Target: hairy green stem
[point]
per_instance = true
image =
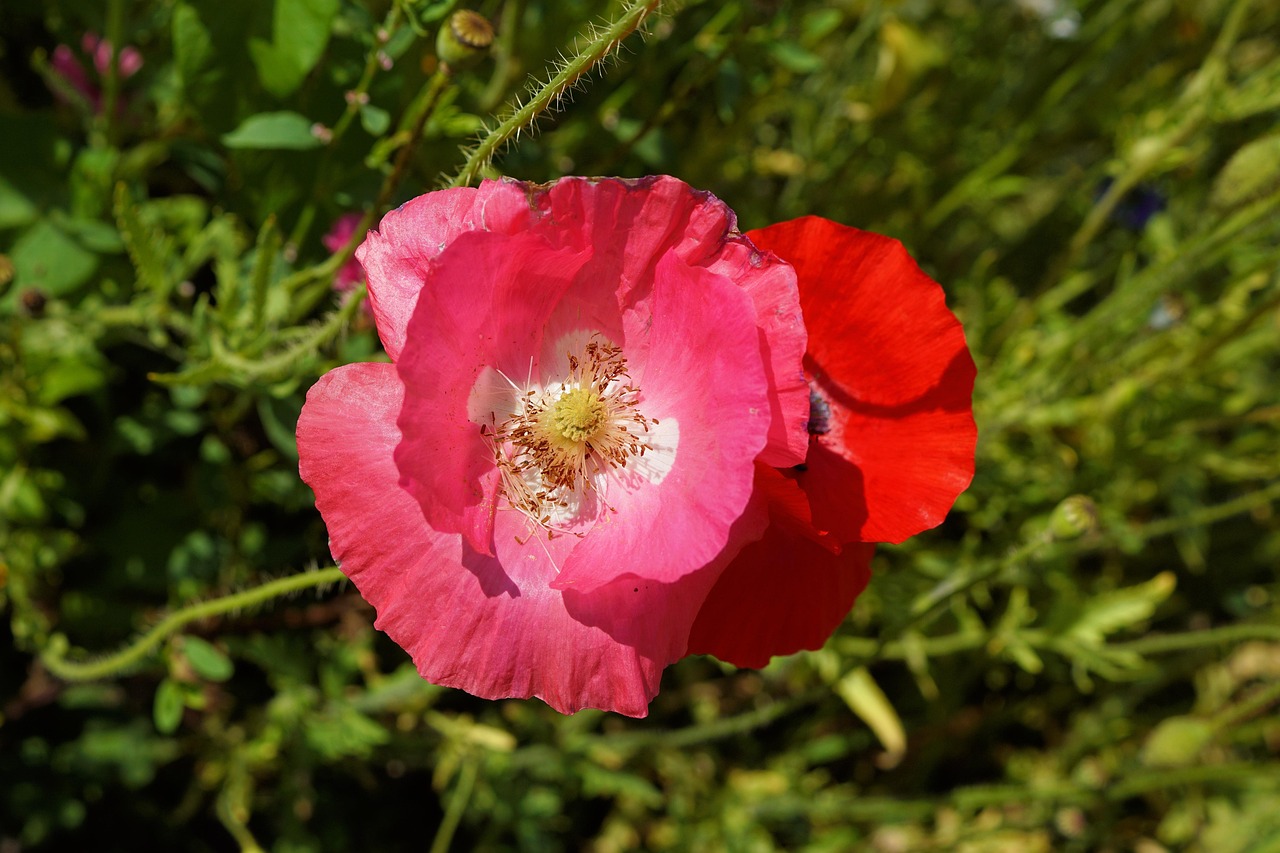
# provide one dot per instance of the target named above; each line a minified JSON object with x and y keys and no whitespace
{"x":601,"y":43}
{"x":55,"y":657}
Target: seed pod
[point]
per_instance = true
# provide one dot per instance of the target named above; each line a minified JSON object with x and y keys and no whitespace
{"x":464,"y":40}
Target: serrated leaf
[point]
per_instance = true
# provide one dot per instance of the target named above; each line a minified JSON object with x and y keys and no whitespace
{"x":340,"y":730}
{"x":148,"y":248}
{"x":264,"y":265}
{"x":279,"y":130}
{"x":206,"y":659}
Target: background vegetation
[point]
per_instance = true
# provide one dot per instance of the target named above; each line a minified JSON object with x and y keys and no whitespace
{"x":1085,"y":656}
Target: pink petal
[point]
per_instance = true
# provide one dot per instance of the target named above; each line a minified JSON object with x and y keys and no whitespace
{"x":467,"y":621}
{"x":631,"y":223}
{"x":771,"y":284}
{"x":890,"y":359}
{"x":130,"y":62}
{"x":396,"y":256}
{"x":489,"y":299}
{"x":704,"y":374}
{"x":66,"y":66}
{"x":342,"y":230}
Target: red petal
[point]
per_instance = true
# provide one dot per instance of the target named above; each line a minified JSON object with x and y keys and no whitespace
{"x":891,"y":360}
{"x":782,"y":594}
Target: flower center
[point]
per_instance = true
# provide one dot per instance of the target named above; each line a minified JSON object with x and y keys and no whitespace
{"x":579,"y":414}
{"x":556,"y":448}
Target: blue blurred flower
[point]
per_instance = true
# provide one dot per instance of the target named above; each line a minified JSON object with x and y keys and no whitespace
{"x":1138,"y":205}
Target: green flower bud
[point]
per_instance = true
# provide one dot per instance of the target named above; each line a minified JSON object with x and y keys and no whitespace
{"x":464,"y":40}
{"x":1075,"y":516}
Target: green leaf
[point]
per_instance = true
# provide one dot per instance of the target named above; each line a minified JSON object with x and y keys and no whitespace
{"x":15,"y":208}
{"x":94,"y":235}
{"x":280,"y":130}
{"x":1177,"y":742}
{"x":300,"y":33}
{"x":1250,"y":174}
{"x":206,"y":660}
{"x":192,"y":44}
{"x":605,"y":783}
{"x":168,"y":706}
{"x":865,"y":699}
{"x":32,"y":170}
{"x":264,"y":266}
{"x":794,"y":58}
{"x":375,"y":120}
{"x":340,"y":730}
{"x":279,"y":421}
{"x":1122,"y":608}
{"x":45,"y":257}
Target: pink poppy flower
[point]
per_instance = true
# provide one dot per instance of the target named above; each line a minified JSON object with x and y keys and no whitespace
{"x":99,"y":50}
{"x":540,"y":491}
{"x":892,"y":440}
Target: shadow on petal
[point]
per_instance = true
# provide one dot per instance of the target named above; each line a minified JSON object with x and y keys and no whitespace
{"x":494,"y":580}
{"x":952,"y":392}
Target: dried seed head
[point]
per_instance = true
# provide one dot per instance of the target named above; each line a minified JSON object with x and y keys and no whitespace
{"x":464,"y":40}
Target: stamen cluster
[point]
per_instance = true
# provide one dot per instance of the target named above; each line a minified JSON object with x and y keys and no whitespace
{"x":563,"y":436}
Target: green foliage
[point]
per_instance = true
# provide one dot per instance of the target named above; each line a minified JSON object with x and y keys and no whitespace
{"x":1083,"y":657}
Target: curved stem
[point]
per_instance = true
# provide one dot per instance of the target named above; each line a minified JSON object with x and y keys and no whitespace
{"x":55,"y":659}
{"x":601,"y":43}
{"x":457,"y":805}
{"x":1160,"y":644}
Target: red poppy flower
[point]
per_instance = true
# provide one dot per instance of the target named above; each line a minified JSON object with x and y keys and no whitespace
{"x":892,"y":441}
